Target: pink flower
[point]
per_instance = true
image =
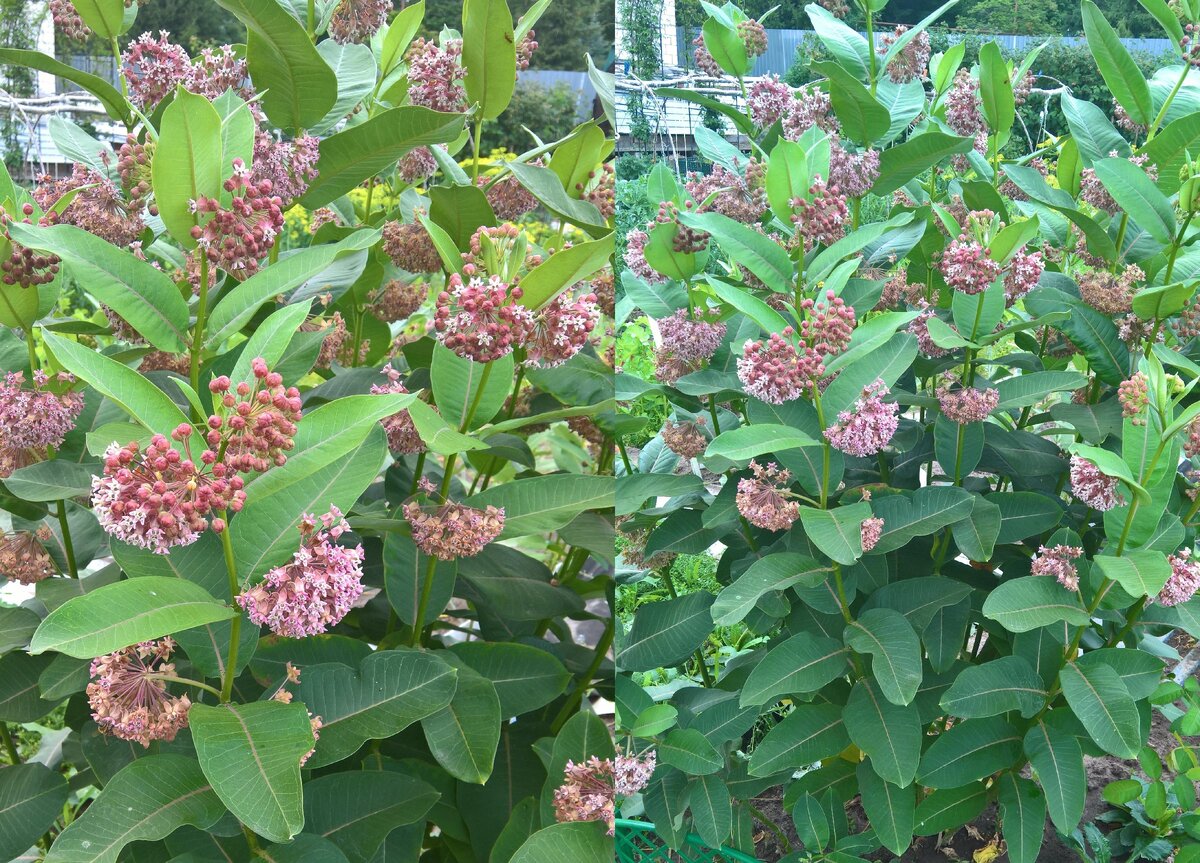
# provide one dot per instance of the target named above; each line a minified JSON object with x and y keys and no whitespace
{"x":1184,"y":580}
{"x":968,"y":267}
{"x":1094,"y":488}
{"x":868,"y":426}
{"x":691,"y":338}
{"x":316,"y":590}
{"x":852,"y":173}
{"x":288,"y":165}
{"x":435,"y":75}
{"x":1024,"y":271}
{"x":509,"y":199}
{"x":153,"y":68}
{"x":97,"y":206}
{"x":962,"y":105}
{"x":920,"y":328}
{"x":912,"y":61}
{"x":481,"y":321}
{"x":358,"y":20}
{"x":68,"y":22}
{"x":753,"y":36}
{"x":235,"y":238}
{"x":871,"y":530}
{"x":418,"y":165}
{"x":775,"y":371}
{"x":731,"y":194}
{"x":590,"y":789}
{"x":1057,"y":561}
{"x":635,"y":258}
{"x":453,"y":530}
{"x":810,"y":107}
{"x":402,"y":434}
{"x":561,"y":328}
{"x":704,"y":60}
{"x":23,"y":555}
{"x":35,"y":418}
{"x":130,"y":700}
{"x":827,"y":326}
{"x":1134,"y":395}
{"x":762,"y":499}
{"x":822,"y":217}
{"x":255,"y":421}
{"x":966,"y":405}
{"x":217,"y":70}
{"x":769,"y":100}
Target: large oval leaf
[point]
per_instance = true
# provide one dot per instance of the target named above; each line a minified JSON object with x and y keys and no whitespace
{"x":187,"y":163}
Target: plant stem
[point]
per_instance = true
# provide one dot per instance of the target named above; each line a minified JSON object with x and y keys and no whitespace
{"x":765,"y":821}
{"x":1121,"y":239}
{"x":475,"y":151}
{"x":871,"y":44}
{"x":712,"y":411}
{"x":186,"y":681}
{"x":198,"y":333}
{"x":825,"y":455}
{"x":422,"y":606}
{"x":33,"y":363}
{"x":1175,"y":248}
{"x":10,"y":746}
{"x":629,"y":467}
{"x":312,"y":20}
{"x":418,"y":470}
{"x":576,"y":698}
{"x":68,"y":548}
{"x":1162,"y":112}
{"x":958,"y":454}
{"x":235,"y":628}
{"x":116,"y":52}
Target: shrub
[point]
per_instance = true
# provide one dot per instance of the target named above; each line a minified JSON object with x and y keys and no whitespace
{"x":305,"y":443}
{"x":933,"y":411}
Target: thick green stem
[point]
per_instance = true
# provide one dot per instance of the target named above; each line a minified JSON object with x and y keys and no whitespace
{"x":765,"y":821}
{"x":235,"y":628}
{"x":1121,"y":240}
{"x":871,"y":46}
{"x":1162,"y":112}
{"x":571,"y":706}
{"x":825,"y":454}
{"x":33,"y":363}
{"x":312,"y":20}
{"x":475,"y":150}
{"x":10,"y":746}
{"x":1175,"y":248}
{"x":423,"y":606}
{"x":418,"y":471}
{"x":958,"y":454}
{"x":198,"y":334}
{"x":186,"y":681}
{"x":68,"y":547}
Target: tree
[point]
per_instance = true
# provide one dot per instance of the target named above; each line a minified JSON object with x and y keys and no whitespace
{"x":1011,"y":16}
{"x":191,"y":24}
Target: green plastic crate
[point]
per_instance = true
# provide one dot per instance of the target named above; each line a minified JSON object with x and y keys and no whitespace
{"x":638,"y":843}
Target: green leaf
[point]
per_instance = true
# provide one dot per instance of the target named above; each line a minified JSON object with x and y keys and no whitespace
{"x":1104,"y":706}
{"x":763,"y":257}
{"x":888,"y":733}
{"x":17,"y":626}
{"x":1057,"y":761}
{"x":1140,"y":573}
{"x":863,"y":119}
{"x":773,"y":572}
{"x":139,"y":398}
{"x":489,"y":55}
{"x":360,"y":152}
{"x":20,"y":698}
{"x":803,"y":663}
{"x":665,"y":633}
{"x":885,"y":362}
{"x":969,"y":751}
{"x":124,"y":613}
{"x":251,"y":755}
{"x":947,"y":809}
{"x":837,"y":532}
{"x":787,"y":177}
{"x":141,"y":294}
{"x":1030,"y":388}
{"x":580,"y":842}
{"x":1004,"y":684}
{"x":926,"y":511}
{"x":390,"y":691}
{"x":463,"y":735}
{"x":995,"y":91}
{"x":525,"y":676}
{"x":148,"y":799}
{"x":750,"y":441}
{"x":1117,"y":67}
{"x":912,"y":158}
{"x":847,"y":45}
{"x":895,"y":652}
{"x":812,"y":825}
{"x":726,"y":48}
{"x":50,"y":480}
{"x":1162,"y":301}
{"x":103,"y":17}
{"x":1026,"y":603}
{"x":31,"y":799}
{"x":297,"y":84}
{"x":357,"y":809}
{"x":654,"y":720}
{"x":808,"y":734}
{"x":634,"y":489}
{"x":269,"y":341}
{"x":239,"y":303}
{"x":690,"y":751}
{"x":545,"y":185}
{"x":1138,"y":670}
{"x":457,"y":382}
{"x":187,"y":163}
{"x":114,"y":104}
{"x":1024,"y":514}
{"x":1136,"y":195}
{"x":1022,"y":816}
{"x":404,"y":574}
{"x":563,"y":269}
{"x":541,"y":504}
{"x":712,"y":811}
{"x":20,"y":307}
{"x":891,"y":810}
{"x":1171,"y":147}
{"x":976,"y":536}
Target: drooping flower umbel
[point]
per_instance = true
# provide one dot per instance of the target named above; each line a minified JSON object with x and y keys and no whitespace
{"x":762,"y":499}
{"x":129,"y":696}
{"x":590,"y":789}
{"x":453,"y":530}
{"x":963,"y":404}
{"x":686,"y":439}
{"x":1094,"y":487}
{"x":867,"y":427}
{"x":435,"y":75}
{"x":358,"y":20}
{"x":316,"y":589}
{"x":402,"y":434}
{"x":33,"y":419}
{"x":23,"y":555}
{"x":1058,"y":561}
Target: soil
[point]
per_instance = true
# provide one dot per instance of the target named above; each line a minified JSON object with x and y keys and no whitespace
{"x":985,"y":830}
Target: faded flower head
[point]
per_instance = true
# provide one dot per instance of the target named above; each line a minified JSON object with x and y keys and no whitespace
{"x":358,"y":20}
{"x":868,"y":426}
{"x":418,"y":165}
{"x":965,"y":405}
{"x":97,"y":206}
{"x":963,"y":113}
{"x":590,"y":789}
{"x":453,"y":530}
{"x":398,"y":299}
{"x":1184,"y":579}
{"x":129,"y":698}
{"x":1108,"y":293}
{"x":920,"y":328}
{"x":686,"y":439}
{"x":23,"y":555}
{"x":411,"y":248}
{"x":1095,"y":488}
{"x":481,"y":321}
{"x":1058,"y":561}
{"x":402,"y":434}
{"x":912,"y":61}
{"x":316,"y":590}
{"x":742,"y":199}
{"x":763,"y":498}
{"x":509,"y":199}
{"x":775,"y":371}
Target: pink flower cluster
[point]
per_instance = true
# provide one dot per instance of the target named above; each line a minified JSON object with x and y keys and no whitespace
{"x":97,"y":206}
{"x":34,"y":418}
{"x":153,"y":68}
{"x":129,"y":697}
{"x":965,"y":405}
{"x":316,"y":589}
{"x":870,"y":531}
{"x":920,"y":328}
{"x":763,"y":498}
{"x":402,"y":435}
{"x":561,"y":328}
{"x":590,"y":789}
{"x":1134,"y":395}
{"x":868,"y":426}
{"x":23,"y":555}
{"x":810,"y":107}
{"x":358,"y":20}
{"x":236,"y":238}
{"x":1184,"y":580}
{"x":686,"y":439}
{"x":435,"y":75}
{"x":418,"y":165}
{"x":968,"y":267}
{"x":1057,"y":561}
{"x":775,"y":371}
{"x":67,"y":20}
{"x":1095,"y":488}
{"x":827,"y":326}
{"x":254,"y":421}
{"x":453,"y":530}
{"x":704,"y":60}
{"x":912,"y":61}
{"x":963,"y":113}
{"x":481,"y":321}
{"x":509,"y":199}
{"x":23,"y":266}
{"x":687,"y":341}
{"x":288,"y":165}
{"x":852,"y":173}
{"x":1024,"y":272}
{"x":742,"y":199}
{"x":635,"y":258}
{"x":820,"y":218}
{"x":769,"y":100}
